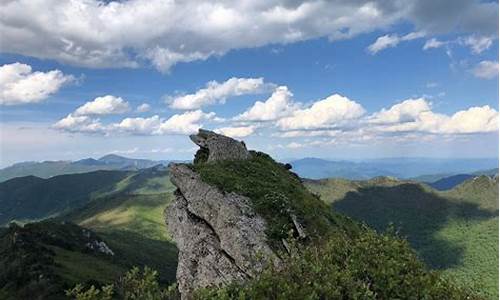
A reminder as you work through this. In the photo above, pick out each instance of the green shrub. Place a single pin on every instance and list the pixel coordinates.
(135, 285)
(369, 266)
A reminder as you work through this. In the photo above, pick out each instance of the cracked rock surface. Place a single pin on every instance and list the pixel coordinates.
(219, 236)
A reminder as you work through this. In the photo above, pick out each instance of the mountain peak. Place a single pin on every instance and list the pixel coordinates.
(112, 158)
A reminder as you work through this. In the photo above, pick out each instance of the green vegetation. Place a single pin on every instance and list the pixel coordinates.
(369, 266)
(126, 211)
(454, 231)
(134, 285)
(32, 198)
(41, 259)
(130, 218)
(48, 257)
(275, 194)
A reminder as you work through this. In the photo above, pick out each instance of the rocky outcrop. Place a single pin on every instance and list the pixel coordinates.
(219, 147)
(219, 236)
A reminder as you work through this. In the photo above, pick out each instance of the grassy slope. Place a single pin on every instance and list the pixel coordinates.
(130, 218)
(275, 194)
(455, 231)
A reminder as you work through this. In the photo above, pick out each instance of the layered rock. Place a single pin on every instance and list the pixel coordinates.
(219, 236)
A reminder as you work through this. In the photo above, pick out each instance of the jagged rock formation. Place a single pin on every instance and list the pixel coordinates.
(219, 236)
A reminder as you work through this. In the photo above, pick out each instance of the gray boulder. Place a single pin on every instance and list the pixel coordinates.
(219, 147)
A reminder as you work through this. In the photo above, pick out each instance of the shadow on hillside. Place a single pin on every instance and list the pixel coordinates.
(141, 251)
(417, 214)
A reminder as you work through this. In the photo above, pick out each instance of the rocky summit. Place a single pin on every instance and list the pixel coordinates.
(221, 239)
(214, 147)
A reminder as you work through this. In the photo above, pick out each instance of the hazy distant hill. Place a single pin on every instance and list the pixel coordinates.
(32, 198)
(455, 230)
(450, 182)
(315, 168)
(430, 178)
(48, 169)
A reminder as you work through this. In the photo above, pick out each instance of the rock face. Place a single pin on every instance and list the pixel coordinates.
(219, 147)
(220, 238)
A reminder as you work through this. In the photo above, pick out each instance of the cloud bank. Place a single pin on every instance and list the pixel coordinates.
(163, 33)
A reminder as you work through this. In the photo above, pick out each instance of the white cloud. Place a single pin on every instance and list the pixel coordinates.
(20, 85)
(186, 123)
(105, 105)
(406, 111)
(72, 123)
(476, 43)
(324, 113)
(141, 126)
(215, 92)
(392, 40)
(433, 43)
(144, 107)
(472, 120)
(162, 33)
(486, 69)
(415, 115)
(236, 132)
(163, 59)
(278, 105)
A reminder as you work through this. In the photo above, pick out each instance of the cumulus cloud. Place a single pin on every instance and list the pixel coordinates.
(105, 105)
(411, 118)
(86, 124)
(392, 40)
(415, 115)
(162, 33)
(216, 92)
(20, 85)
(325, 113)
(278, 105)
(486, 69)
(139, 126)
(185, 123)
(406, 111)
(236, 132)
(144, 107)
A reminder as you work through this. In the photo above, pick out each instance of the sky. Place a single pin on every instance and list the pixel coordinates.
(332, 79)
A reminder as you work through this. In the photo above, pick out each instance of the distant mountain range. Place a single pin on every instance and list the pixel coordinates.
(427, 170)
(403, 168)
(48, 169)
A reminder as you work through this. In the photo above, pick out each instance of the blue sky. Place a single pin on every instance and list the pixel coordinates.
(406, 83)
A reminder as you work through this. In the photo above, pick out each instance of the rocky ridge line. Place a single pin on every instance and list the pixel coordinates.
(220, 237)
